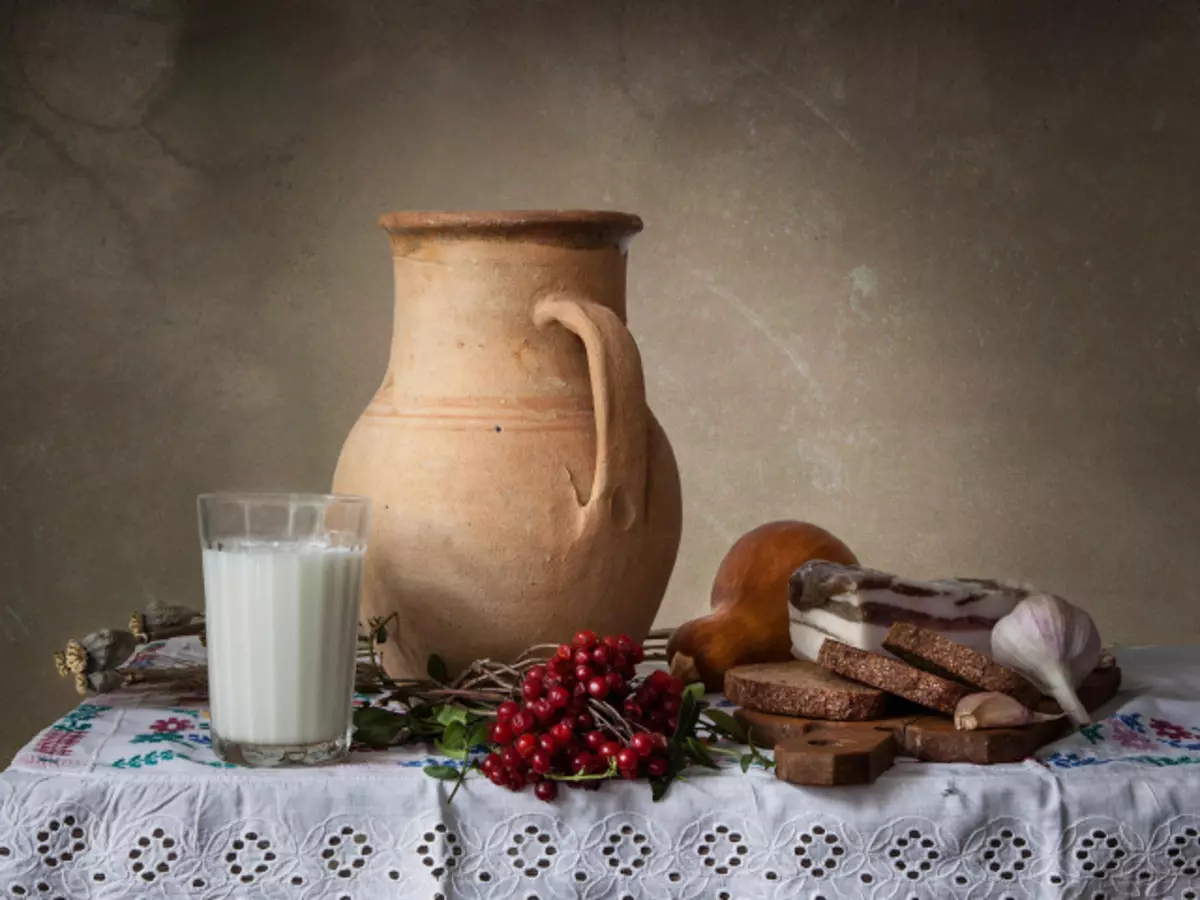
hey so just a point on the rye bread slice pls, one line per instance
(802, 688)
(892, 676)
(931, 652)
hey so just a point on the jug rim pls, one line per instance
(604, 225)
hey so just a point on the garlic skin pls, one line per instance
(1052, 643)
(990, 709)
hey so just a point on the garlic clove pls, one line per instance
(1052, 643)
(994, 710)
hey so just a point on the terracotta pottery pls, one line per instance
(522, 489)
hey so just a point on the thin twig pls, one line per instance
(616, 723)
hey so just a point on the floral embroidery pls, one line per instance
(1092, 732)
(429, 761)
(1171, 731)
(80, 718)
(57, 742)
(146, 657)
(1132, 721)
(1131, 738)
(60, 739)
(177, 730)
(1074, 760)
(155, 757)
(1129, 731)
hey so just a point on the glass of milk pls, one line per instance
(282, 590)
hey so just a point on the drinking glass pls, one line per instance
(282, 592)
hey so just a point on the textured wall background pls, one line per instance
(923, 273)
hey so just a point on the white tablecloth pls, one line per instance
(123, 798)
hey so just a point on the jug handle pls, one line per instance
(619, 398)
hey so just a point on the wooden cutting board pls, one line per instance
(934, 738)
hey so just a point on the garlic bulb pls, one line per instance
(1053, 644)
(994, 710)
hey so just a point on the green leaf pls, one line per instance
(449, 714)
(699, 752)
(659, 787)
(727, 725)
(453, 742)
(378, 727)
(747, 758)
(442, 773)
(695, 690)
(479, 733)
(436, 669)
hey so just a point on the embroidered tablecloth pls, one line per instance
(124, 798)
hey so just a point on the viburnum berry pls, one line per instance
(658, 680)
(506, 709)
(531, 689)
(642, 743)
(585, 639)
(581, 762)
(562, 731)
(627, 759)
(554, 730)
(526, 744)
(501, 733)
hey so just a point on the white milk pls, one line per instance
(282, 623)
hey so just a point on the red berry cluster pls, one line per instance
(553, 732)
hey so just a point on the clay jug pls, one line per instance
(521, 488)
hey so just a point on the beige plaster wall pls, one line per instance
(924, 273)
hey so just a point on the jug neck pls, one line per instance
(465, 297)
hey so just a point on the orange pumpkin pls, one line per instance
(749, 621)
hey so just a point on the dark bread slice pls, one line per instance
(931, 652)
(892, 675)
(802, 688)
